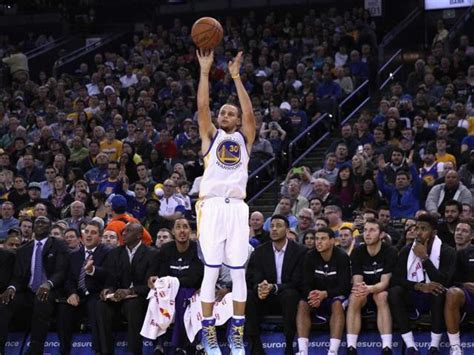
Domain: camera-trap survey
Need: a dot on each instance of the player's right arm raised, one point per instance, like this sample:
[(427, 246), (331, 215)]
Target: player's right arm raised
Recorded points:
[(206, 128)]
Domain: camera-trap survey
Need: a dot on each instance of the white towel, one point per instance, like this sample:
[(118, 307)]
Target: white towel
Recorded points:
[(161, 307), (415, 271), (223, 311)]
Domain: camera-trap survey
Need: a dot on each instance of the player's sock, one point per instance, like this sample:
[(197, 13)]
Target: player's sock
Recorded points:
[(352, 340), (208, 318), (303, 345), (409, 340), (386, 340), (334, 345), (454, 339), (435, 340), (238, 317)]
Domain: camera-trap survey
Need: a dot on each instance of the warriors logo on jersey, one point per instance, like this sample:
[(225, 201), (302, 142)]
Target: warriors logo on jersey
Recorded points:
[(228, 153)]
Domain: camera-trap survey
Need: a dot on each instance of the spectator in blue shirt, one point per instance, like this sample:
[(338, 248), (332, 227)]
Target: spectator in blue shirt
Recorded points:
[(359, 69), (299, 119), (329, 89), (403, 197), (99, 173), (7, 221), (108, 185)]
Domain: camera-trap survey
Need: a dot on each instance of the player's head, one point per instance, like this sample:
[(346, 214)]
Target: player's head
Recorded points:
[(279, 227), (324, 240), (181, 230), (229, 117), (426, 225), (372, 232)]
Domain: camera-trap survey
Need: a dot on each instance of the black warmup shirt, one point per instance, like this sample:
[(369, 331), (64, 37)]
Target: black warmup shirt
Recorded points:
[(333, 276), (371, 268), (184, 266), (464, 266)]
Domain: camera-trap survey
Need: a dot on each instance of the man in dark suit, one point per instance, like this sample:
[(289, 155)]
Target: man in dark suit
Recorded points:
[(274, 279), (7, 262), (125, 289), (38, 278), (85, 279)]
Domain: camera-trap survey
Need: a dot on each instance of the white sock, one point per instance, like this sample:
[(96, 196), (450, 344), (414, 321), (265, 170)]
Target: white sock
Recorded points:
[(435, 340), (238, 317), (352, 340), (303, 344), (208, 318), (386, 340), (454, 339), (408, 339), (334, 344)]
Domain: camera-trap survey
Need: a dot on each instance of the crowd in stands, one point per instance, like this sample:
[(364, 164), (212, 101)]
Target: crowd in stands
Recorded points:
[(114, 148)]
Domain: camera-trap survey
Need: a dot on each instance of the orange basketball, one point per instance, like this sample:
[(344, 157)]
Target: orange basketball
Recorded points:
[(207, 33)]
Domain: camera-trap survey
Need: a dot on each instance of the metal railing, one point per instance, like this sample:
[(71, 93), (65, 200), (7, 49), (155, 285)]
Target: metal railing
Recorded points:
[(75, 55), (395, 32), (306, 133), (462, 20), (390, 69), (47, 47), (348, 107), (254, 179)]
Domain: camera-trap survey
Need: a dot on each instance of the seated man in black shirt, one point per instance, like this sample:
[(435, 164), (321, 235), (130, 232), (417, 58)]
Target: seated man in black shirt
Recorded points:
[(446, 228), (460, 297), (274, 281), (179, 258), (372, 267), (125, 289), (423, 271), (326, 285)]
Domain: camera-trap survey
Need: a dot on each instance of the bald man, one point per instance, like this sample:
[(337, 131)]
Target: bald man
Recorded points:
[(125, 289), (257, 234)]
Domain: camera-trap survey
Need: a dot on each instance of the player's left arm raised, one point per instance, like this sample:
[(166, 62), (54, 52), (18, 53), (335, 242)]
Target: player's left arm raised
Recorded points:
[(248, 118)]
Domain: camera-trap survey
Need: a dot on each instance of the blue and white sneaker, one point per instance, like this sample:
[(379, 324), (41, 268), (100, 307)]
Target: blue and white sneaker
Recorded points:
[(235, 339), (209, 338)]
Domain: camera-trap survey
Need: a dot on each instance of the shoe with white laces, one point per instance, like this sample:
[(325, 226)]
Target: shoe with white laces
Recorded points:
[(456, 350), (235, 339), (209, 338)]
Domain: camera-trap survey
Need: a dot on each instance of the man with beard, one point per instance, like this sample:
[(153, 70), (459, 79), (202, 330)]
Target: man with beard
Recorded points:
[(451, 189), (152, 221), (274, 280), (423, 271), (447, 227)]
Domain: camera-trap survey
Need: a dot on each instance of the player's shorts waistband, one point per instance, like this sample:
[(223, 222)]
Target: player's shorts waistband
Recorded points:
[(223, 199)]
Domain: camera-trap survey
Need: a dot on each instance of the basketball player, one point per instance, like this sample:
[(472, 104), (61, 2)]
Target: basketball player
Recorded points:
[(222, 214), (460, 297)]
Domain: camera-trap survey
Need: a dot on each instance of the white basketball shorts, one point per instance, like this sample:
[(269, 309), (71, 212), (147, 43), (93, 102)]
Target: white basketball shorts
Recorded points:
[(223, 231)]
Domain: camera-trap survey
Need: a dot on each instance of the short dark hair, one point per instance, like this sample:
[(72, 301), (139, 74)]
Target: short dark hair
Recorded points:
[(374, 221), (428, 218), (73, 230), (283, 218), (328, 231), (25, 219), (454, 203), (97, 224)]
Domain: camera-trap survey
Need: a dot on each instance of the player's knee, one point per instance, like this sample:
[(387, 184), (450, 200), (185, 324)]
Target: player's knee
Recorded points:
[(303, 307), (454, 295), (336, 308), (381, 298), (355, 302)]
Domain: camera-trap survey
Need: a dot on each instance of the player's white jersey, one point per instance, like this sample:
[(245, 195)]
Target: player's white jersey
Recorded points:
[(226, 167)]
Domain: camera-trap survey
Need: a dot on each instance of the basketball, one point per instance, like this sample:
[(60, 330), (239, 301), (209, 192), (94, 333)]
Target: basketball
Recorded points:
[(207, 33)]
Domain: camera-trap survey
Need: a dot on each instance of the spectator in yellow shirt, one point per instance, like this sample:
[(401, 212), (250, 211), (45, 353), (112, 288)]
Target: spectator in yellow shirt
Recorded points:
[(111, 146), (441, 155)]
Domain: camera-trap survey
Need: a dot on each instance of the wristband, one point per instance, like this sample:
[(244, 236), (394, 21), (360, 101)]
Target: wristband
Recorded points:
[(235, 76)]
